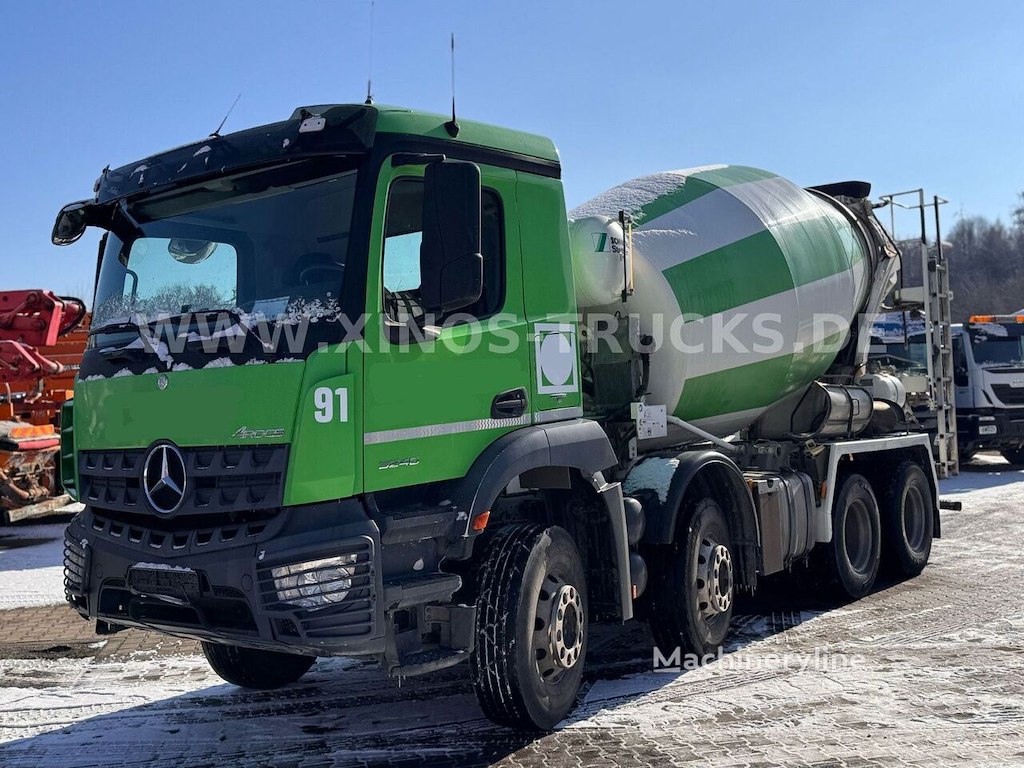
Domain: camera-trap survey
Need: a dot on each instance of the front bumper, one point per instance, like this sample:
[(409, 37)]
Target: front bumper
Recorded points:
[(232, 598), (993, 430)]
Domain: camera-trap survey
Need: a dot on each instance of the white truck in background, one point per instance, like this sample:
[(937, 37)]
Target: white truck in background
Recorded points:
[(988, 378)]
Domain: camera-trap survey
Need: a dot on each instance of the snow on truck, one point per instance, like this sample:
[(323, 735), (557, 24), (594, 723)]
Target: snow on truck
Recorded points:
[(357, 386)]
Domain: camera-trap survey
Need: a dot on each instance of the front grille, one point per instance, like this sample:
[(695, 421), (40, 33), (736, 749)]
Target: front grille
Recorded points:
[(1009, 395), (75, 568), (350, 617), (148, 535), (219, 479)]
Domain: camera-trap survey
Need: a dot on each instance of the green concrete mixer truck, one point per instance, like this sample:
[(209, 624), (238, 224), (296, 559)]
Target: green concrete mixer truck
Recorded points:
[(357, 385)]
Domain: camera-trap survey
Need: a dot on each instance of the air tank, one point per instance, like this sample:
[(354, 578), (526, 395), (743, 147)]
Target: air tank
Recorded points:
[(747, 284)]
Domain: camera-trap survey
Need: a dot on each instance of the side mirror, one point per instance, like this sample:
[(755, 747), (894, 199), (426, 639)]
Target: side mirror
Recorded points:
[(451, 266), (71, 223)]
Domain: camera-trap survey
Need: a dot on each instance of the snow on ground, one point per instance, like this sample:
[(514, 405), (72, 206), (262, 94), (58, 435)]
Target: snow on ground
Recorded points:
[(922, 672), (31, 565), (173, 711), (32, 562), (986, 472)]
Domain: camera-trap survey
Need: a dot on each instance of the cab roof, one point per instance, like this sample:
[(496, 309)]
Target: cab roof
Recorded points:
[(312, 131)]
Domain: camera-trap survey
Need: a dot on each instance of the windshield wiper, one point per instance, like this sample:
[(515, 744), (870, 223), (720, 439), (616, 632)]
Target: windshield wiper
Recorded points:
[(117, 327), (216, 333)]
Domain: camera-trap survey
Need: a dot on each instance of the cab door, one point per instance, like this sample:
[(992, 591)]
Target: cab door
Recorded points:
[(962, 379), (435, 400)]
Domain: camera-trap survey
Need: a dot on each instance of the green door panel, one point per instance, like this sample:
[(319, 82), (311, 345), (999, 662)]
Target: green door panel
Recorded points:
[(326, 456), (550, 299), (427, 405), (323, 463)]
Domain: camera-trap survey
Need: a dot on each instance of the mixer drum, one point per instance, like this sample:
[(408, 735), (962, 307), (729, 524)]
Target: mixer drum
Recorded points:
[(747, 282)]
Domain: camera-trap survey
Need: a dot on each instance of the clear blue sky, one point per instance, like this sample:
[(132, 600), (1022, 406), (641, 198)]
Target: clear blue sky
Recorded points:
[(904, 94)]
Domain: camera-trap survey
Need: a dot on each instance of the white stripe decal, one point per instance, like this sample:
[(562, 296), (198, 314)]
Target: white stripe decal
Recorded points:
[(710, 222), (820, 298), (723, 217), (778, 202), (439, 430), (474, 425)]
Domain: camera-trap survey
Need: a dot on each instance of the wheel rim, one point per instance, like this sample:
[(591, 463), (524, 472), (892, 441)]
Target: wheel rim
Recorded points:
[(914, 521), (559, 628), (714, 579), (858, 536)]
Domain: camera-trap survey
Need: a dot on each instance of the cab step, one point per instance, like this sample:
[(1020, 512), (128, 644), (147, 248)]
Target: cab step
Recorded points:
[(420, 589), (407, 525), (428, 661)]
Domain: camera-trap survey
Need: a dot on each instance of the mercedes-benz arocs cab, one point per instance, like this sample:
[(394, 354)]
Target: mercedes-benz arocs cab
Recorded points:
[(357, 386)]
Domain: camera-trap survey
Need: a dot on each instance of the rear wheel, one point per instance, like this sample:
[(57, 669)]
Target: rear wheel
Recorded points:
[(908, 522), (531, 627), (693, 585), (851, 559), (254, 668)]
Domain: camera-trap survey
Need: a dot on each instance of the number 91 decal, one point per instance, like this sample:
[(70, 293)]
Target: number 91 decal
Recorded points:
[(330, 404)]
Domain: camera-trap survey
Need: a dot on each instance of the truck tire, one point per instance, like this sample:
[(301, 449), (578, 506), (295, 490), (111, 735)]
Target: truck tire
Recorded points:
[(531, 627), (907, 521), (851, 559), (253, 668), (693, 585), (1014, 455)]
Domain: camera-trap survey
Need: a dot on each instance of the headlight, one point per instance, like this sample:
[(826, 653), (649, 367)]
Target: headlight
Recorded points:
[(315, 583)]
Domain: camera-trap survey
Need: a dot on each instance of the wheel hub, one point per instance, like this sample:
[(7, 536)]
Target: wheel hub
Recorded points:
[(565, 629), (714, 579)]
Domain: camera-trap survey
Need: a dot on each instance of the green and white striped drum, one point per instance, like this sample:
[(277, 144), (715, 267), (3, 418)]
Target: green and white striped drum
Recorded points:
[(747, 283)]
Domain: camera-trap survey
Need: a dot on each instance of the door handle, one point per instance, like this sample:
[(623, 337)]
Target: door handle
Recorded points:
[(510, 404)]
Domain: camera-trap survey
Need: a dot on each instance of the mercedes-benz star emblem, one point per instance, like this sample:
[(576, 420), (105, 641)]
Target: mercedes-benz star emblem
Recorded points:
[(164, 478)]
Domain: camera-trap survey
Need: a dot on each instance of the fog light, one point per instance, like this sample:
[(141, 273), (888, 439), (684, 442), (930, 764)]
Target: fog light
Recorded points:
[(315, 583)]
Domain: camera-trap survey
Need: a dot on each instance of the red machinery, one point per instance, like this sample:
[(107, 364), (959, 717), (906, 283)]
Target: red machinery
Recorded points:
[(42, 338)]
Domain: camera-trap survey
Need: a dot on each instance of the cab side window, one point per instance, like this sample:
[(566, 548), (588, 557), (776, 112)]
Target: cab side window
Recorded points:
[(403, 233)]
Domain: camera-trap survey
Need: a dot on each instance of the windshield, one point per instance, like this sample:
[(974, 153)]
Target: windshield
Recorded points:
[(999, 352), (268, 246)]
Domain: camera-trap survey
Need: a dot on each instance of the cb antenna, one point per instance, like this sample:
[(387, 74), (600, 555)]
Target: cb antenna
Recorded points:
[(452, 126), (216, 133), (369, 65)]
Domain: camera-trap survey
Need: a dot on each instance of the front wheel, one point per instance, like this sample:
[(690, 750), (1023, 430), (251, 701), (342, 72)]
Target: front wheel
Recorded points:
[(693, 586), (254, 668), (531, 627)]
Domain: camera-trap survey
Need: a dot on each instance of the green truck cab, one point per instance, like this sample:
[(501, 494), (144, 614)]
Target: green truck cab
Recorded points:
[(335, 403)]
